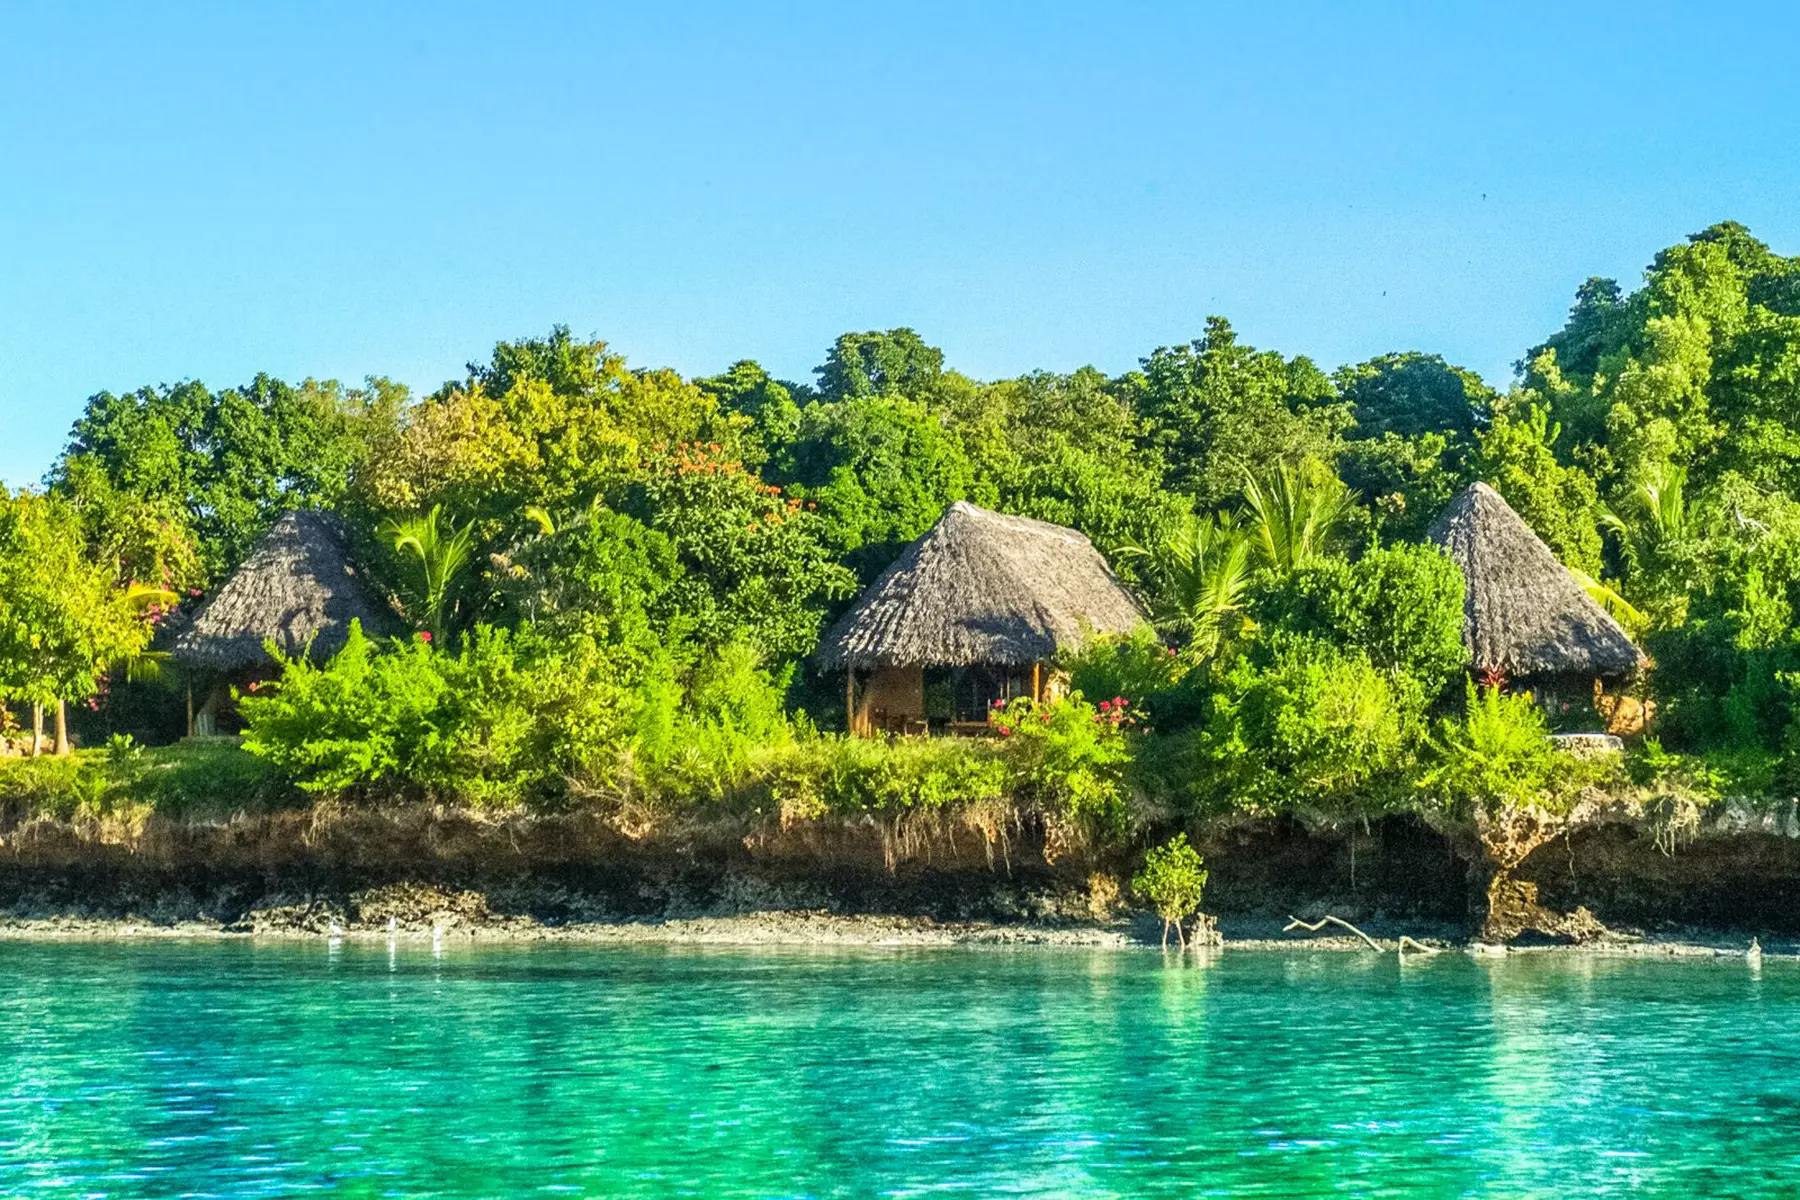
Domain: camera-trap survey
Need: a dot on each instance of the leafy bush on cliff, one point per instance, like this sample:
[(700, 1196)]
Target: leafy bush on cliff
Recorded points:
[(504, 718), (1498, 755), (1305, 723), (847, 776), (1070, 760)]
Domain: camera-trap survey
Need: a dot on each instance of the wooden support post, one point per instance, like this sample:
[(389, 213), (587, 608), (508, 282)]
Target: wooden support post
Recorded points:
[(850, 700), (190, 708), (1037, 683)]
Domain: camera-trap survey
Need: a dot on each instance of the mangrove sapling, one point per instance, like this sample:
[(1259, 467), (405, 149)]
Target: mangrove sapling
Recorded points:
[(1172, 880)]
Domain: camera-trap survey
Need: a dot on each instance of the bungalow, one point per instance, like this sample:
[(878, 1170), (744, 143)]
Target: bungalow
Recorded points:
[(1525, 617), (297, 590), (970, 614)]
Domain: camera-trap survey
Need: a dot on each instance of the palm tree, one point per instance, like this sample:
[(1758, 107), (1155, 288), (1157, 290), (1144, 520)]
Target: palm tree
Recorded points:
[(1652, 517), (438, 553), (1295, 513), (1202, 568)]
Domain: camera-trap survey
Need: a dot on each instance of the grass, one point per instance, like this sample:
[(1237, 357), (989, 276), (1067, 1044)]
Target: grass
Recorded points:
[(196, 782)]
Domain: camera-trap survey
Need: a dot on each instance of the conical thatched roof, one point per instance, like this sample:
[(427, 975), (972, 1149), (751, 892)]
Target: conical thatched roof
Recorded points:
[(297, 587), (982, 587), (1524, 614)]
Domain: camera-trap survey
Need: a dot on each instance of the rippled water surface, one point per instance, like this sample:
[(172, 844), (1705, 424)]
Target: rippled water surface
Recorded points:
[(257, 1070)]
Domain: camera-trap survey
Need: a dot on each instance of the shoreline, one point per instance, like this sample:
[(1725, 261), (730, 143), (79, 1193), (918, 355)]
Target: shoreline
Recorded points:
[(800, 928)]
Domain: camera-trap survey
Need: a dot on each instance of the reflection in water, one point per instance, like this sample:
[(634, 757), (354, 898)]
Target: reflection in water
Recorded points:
[(394, 1068)]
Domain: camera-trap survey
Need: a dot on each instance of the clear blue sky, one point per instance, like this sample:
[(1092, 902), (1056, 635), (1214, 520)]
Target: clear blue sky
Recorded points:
[(197, 191)]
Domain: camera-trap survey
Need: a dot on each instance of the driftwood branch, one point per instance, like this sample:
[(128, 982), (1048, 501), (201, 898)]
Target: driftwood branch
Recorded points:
[(1406, 943), (1296, 923)]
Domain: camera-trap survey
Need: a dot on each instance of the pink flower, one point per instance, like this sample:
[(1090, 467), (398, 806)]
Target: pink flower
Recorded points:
[(1005, 732), (196, 592), (425, 636)]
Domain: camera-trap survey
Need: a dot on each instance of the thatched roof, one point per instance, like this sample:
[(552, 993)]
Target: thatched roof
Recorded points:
[(1524, 614), (982, 587), (296, 588)]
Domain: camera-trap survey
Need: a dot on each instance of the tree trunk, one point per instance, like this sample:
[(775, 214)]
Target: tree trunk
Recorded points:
[(62, 727), (37, 730)]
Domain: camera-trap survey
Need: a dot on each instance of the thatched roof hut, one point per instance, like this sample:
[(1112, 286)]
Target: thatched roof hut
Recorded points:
[(1524, 614), (297, 589), (982, 588)]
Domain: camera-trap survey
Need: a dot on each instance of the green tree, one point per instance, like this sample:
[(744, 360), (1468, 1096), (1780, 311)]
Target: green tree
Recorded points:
[(436, 556), (893, 363), (881, 470), (1172, 881), (1295, 514), (1412, 394), (64, 621), (773, 412), (1517, 456), (230, 462), (1069, 449), (1218, 409), (755, 565), (1401, 606), (1201, 572)]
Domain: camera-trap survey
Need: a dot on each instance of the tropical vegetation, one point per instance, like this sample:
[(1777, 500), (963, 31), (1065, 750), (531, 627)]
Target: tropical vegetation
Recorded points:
[(616, 574)]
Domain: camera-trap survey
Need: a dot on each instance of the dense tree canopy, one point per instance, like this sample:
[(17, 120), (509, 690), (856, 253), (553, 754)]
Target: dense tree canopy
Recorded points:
[(1651, 441)]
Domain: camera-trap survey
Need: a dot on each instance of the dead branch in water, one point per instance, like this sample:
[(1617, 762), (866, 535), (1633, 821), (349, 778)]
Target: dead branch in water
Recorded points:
[(1406, 943), (1296, 923)]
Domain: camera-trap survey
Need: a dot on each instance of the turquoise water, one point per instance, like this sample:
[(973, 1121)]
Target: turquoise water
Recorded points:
[(263, 1070)]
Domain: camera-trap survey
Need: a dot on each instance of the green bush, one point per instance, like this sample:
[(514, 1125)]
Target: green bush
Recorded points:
[(1401, 606), (698, 731), (1070, 759), (187, 781), (1317, 726), (1161, 684), (1498, 756), (1172, 882), (505, 718), (849, 776)]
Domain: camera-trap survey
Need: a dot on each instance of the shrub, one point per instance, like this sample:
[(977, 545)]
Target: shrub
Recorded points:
[(1172, 882), (1318, 725), (1070, 759), (1498, 756), (1162, 685), (505, 718), (197, 781), (698, 732), (849, 776), (1401, 606)]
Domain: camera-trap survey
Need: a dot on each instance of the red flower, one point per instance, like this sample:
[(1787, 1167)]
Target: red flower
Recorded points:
[(1106, 706), (1005, 732), (425, 636)]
